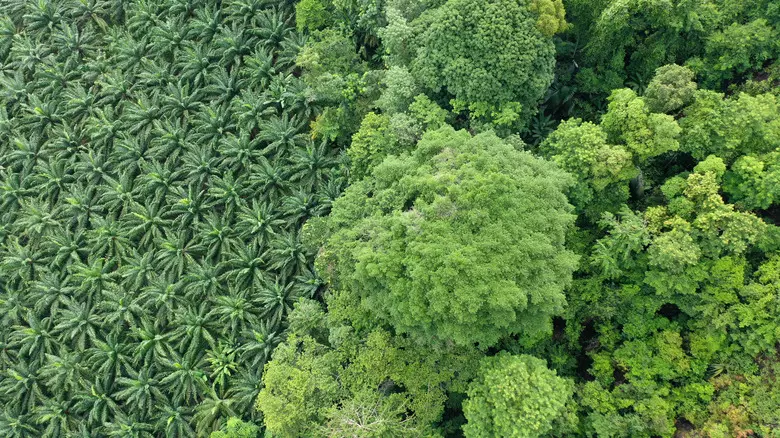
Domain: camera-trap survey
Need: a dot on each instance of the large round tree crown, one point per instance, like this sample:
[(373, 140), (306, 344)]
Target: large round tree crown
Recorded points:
[(461, 241)]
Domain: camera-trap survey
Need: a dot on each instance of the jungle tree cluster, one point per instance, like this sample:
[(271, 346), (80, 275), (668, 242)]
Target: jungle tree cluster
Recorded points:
[(671, 322), (156, 168)]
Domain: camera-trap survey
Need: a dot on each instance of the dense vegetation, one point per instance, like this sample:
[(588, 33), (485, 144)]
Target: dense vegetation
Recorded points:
[(365, 218)]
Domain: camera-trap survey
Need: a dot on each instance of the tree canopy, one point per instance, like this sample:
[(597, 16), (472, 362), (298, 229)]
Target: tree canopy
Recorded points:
[(389, 218), (460, 241)]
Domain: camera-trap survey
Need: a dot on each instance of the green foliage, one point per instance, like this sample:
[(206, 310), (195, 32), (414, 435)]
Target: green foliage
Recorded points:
[(423, 239), (754, 182), (489, 55), (625, 42), (370, 145), (729, 128), (373, 385), (299, 386), (235, 428), (737, 49), (602, 170), (159, 159), (671, 89), (688, 254), (338, 79), (311, 15), (517, 396), (628, 121), (552, 16)]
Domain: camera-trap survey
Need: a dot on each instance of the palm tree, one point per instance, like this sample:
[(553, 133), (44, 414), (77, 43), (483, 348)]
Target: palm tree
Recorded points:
[(129, 52), (117, 194), (55, 415), (212, 411), (188, 206), (108, 239), (22, 382), (244, 266), (169, 37), (93, 168), (171, 137), (103, 127), (222, 362), (92, 278), (49, 293), (186, 380), (269, 180), (21, 262), (161, 299), (287, 254), (66, 247), (13, 188), (309, 283), (74, 42), (81, 206), (64, 373), (156, 181), (259, 342), (300, 206), (277, 299), (109, 359), (249, 107), (176, 253), (124, 426), (215, 235), (35, 340), (137, 270), (261, 68), (141, 114), (311, 165), (78, 325), (25, 155), (17, 425), (280, 135), (234, 42), (194, 329), (90, 12), (207, 23), (96, 405), (146, 223), (145, 15), (140, 392), (196, 62), (245, 387), (198, 163), (258, 224), (53, 176), (236, 311), (202, 281), (153, 344), (119, 310), (273, 26), (227, 193), (179, 102), (37, 219), (43, 16), (155, 74), (244, 11), (174, 420), (238, 152), (212, 123)]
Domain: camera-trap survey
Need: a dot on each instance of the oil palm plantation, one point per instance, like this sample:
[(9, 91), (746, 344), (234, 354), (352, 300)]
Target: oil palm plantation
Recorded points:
[(155, 170)]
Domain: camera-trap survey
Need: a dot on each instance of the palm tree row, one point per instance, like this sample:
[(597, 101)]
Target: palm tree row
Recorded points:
[(155, 170)]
